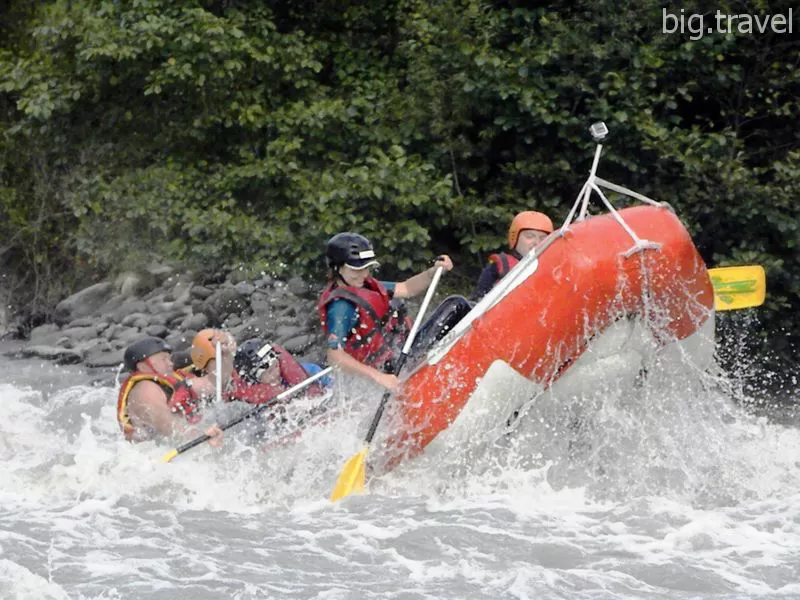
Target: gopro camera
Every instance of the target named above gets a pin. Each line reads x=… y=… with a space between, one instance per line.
x=598 y=130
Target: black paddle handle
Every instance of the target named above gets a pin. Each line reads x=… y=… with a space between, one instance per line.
x=191 y=444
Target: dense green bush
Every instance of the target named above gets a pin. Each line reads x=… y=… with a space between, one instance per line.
x=219 y=132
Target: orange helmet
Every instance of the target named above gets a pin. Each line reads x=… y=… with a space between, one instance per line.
x=204 y=346
x=528 y=220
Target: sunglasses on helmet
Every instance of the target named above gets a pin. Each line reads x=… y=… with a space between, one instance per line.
x=268 y=357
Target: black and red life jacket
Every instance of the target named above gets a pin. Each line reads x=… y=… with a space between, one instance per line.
x=379 y=330
x=504 y=262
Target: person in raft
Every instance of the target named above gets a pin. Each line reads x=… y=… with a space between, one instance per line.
x=528 y=229
x=363 y=330
x=255 y=372
x=259 y=362
x=156 y=401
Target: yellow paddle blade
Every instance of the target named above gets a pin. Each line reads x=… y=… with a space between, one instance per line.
x=352 y=477
x=169 y=456
x=738 y=287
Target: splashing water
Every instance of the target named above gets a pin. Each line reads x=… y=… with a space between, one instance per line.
x=615 y=484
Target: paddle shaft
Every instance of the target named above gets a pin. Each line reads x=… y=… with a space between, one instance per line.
x=401 y=361
x=258 y=409
x=373 y=427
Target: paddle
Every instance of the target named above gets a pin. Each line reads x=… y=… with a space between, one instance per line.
x=738 y=287
x=353 y=475
x=248 y=415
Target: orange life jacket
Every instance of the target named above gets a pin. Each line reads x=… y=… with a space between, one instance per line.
x=180 y=397
x=379 y=329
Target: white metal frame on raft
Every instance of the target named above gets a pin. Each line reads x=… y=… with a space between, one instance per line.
x=529 y=263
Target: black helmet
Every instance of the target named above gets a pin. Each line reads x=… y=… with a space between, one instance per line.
x=144 y=348
x=253 y=357
x=350 y=249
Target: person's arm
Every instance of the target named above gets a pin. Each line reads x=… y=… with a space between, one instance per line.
x=416 y=285
x=147 y=404
x=488 y=278
x=340 y=358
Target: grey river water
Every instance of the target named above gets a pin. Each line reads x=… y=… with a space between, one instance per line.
x=666 y=491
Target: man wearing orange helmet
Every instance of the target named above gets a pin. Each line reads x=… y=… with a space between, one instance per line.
x=527 y=230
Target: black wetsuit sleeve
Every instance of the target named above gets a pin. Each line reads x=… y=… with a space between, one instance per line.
x=488 y=278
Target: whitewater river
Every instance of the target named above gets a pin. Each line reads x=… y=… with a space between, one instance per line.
x=662 y=491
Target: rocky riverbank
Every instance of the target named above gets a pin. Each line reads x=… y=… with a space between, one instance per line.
x=96 y=324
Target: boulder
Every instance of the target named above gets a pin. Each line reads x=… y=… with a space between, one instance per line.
x=175 y=316
x=44 y=335
x=131 y=284
x=62 y=356
x=160 y=273
x=181 y=340
x=79 y=334
x=92 y=345
x=264 y=281
x=128 y=335
x=260 y=304
x=180 y=293
x=131 y=319
x=245 y=288
x=226 y=301
x=300 y=343
x=298 y=287
x=111 y=305
x=232 y=321
x=201 y=292
x=82 y=303
x=290 y=312
x=128 y=307
x=65 y=342
x=157 y=330
x=157 y=319
x=237 y=275
x=82 y=322
x=104 y=358
x=195 y=322
x=284 y=332
x=254 y=327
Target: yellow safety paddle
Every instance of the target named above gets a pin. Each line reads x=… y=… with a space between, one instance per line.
x=248 y=415
x=738 y=287
x=353 y=475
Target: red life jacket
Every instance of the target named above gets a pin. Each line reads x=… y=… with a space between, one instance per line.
x=292 y=373
x=379 y=328
x=180 y=397
x=504 y=262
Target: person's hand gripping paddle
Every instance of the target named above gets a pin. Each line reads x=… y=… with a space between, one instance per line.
x=353 y=475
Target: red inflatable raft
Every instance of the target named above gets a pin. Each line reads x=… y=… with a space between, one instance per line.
x=638 y=263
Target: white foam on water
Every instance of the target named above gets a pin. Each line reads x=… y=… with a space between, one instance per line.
x=612 y=485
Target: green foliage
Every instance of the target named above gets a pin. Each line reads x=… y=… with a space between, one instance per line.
x=217 y=132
